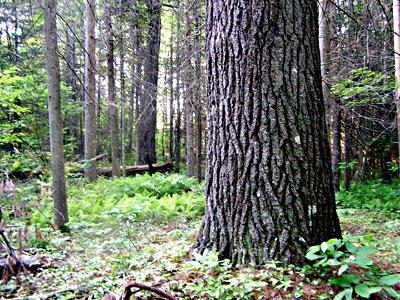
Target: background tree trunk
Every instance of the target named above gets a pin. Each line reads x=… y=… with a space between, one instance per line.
x=336 y=144
x=112 y=105
x=348 y=150
x=188 y=82
x=147 y=123
x=122 y=92
x=70 y=77
x=90 y=91
x=55 y=118
x=396 y=29
x=198 y=94
x=324 y=44
x=269 y=193
x=171 y=99
x=178 y=91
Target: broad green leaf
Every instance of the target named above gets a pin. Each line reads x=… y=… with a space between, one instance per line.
x=312 y=256
x=362 y=290
x=366 y=251
x=350 y=247
x=346 y=280
x=375 y=289
x=313 y=249
x=324 y=246
x=345 y=294
x=392 y=293
x=390 y=279
x=342 y=269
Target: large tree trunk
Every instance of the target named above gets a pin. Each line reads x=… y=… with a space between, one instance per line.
x=90 y=91
x=147 y=123
x=269 y=193
x=55 y=118
x=112 y=105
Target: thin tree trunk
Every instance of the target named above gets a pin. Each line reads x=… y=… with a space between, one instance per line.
x=123 y=96
x=70 y=77
x=324 y=43
x=178 y=93
x=336 y=144
x=396 y=29
x=269 y=193
x=171 y=99
x=99 y=112
x=112 y=105
x=147 y=123
x=132 y=96
x=55 y=118
x=198 y=94
x=348 y=150
x=188 y=88
x=90 y=91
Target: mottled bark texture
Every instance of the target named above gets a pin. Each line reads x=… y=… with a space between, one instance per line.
x=269 y=193
x=90 y=91
x=55 y=118
x=147 y=123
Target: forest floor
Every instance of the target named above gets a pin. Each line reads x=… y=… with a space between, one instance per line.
x=102 y=254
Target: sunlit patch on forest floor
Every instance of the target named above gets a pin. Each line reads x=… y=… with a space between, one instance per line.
x=97 y=259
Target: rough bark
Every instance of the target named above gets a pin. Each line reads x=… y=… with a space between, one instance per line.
x=90 y=91
x=269 y=193
x=112 y=105
x=55 y=118
x=147 y=123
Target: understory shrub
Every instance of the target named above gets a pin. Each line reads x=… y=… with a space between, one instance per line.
x=158 y=197
x=373 y=195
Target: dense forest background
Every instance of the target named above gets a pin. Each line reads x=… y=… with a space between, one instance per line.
x=159 y=73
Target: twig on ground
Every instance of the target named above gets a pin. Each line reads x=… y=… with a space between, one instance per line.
x=128 y=293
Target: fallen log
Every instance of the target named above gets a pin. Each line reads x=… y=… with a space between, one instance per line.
x=133 y=170
x=97 y=158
